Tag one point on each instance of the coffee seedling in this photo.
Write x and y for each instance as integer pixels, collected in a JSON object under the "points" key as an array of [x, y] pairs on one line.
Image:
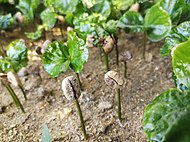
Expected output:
{"points": [[114, 81], [108, 47], [5, 82], [125, 57], [71, 90]]}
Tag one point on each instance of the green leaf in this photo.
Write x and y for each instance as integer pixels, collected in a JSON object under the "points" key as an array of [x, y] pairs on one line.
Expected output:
{"points": [[178, 84], [27, 7], [5, 65], [132, 21], [166, 118], [157, 22], [174, 9], [111, 27], [17, 54], [178, 35], [181, 62], [49, 18], [56, 59], [78, 52], [122, 4], [103, 7], [46, 137], [6, 21], [64, 6], [35, 35]]}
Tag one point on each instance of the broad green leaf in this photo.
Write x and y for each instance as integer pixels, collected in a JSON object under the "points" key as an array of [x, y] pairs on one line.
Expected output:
{"points": [[56, 58], [3, 1], [131, 21], [17, 54], [178, 84], [27, 7], [173, 8], [46, 137], [5, 66], [122, 4], [181, 62], [64, 6], [179, 34], [86, 24], [89, 3], [157, 22], [78, 52], [111, 27], [103, 8], [6, 21], [35, 35], [49, 18], [166, 118]]}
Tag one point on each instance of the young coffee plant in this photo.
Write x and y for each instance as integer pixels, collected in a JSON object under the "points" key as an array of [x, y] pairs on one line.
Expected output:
{"points": [[114, 81], [10, 63], [155, 30], [71, 90], [58, 57]]}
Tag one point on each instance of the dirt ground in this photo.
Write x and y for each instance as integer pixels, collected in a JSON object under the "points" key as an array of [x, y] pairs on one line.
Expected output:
{"points": [[47, 105]]}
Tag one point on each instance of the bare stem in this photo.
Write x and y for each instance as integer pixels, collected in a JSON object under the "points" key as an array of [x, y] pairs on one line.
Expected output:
{"points": [[81, 118], [106, 61], [22, 89], [117, 54], [14, 96], [80, 84], [100, 52], [125, 70], [119, 104], [144, 44]]}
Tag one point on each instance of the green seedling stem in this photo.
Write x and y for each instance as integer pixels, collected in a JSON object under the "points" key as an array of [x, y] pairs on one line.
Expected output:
{"points": [[117, 54], [14, 96], [125, 70], [119, 104], [81, 118], [100, 52], [106, 61], [80, 84], [144, 44], [22, 89]]}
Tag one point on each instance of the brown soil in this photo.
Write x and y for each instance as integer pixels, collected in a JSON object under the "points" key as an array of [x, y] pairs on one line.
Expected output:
{"points": [[46, 104]]}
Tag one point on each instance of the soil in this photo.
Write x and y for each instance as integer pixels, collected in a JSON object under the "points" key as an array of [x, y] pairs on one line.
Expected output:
{"points": [[46, 104]]}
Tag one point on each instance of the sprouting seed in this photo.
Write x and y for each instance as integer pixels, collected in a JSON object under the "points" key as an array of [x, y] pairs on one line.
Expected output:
{"points": [[125, 57], [71, 90], [114, 81]]}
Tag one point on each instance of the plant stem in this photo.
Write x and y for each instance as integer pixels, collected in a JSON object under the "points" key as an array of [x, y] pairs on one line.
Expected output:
{"points": [[117, 54], [106, 61], [144, 44], [125, 70], [100, 52], [22, 89], [119, 104], [81, 118], [14, 96], [80, 84], [61, 30], [2, 52]]}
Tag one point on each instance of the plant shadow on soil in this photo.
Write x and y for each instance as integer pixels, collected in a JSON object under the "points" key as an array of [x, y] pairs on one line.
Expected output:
{"points": [[46, 104]]}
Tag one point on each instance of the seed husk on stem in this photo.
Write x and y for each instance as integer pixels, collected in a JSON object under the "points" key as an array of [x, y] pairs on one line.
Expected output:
{"points": [[113, 80], [71, 90]]}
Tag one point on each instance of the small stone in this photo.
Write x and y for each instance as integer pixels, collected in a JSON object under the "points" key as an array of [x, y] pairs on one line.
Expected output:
{"points": [[148, 57], [104, 105]]}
